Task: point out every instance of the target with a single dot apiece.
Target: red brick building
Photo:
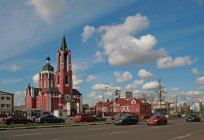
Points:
(55, 89)
(120, 105)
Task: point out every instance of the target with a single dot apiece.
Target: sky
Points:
(127, 45)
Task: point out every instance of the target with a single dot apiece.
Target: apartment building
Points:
(6, 103)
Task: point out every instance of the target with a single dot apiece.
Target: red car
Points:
(142, 117)
(157, 119)
(84, 117)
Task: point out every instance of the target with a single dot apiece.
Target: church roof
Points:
(64, 44)
(76, 92)
(52, 90)
(47, 66)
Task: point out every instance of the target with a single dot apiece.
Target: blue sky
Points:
(118, 44)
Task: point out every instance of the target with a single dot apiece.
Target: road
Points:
(175, 130)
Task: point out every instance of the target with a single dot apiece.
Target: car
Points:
(142, 117)
(16, 120)
(193, 118)
(126, 120)
(114, 117)
(157, 119)
(49, 119)
(99, 118)
(84, 117)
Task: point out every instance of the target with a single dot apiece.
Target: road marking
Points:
(28, 134)
(181, 137)
(95, 129)
(118, 132)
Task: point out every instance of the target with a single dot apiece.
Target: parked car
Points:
(49, 119)
(16, 120)
(114, 117)
(126, 119)
(99, 118)
(34, 118)
(84, 117)
(157, 119)
(193, 118)
(142, 117)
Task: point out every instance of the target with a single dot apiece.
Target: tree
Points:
(85, 107)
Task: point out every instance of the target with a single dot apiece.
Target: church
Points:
(55, 87)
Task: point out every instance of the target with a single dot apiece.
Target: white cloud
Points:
(77, 82)
(92, 94)
(195, 71)
(144, 73)
(36, 78)
(194, 92)
(20, 93)
(151, 85)
(90, 78)
(169, 62)
(122, 48)
(15, 68)
(175, 89)
(100, 87)
(122, 76)
(134, 85)
(200, 80)
(48, 10)
(87, 33)
(99, 57)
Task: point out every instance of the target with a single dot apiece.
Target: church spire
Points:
(64, 44)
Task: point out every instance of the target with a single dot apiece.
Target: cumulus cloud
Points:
(134, 85)
(200, 80)
(195, 71)
(99, 57)
(122, 76)
(15, 68)
(90, 78)
(175, 89)
(20, 93)
(92, 94)
(48, 10)
(123, 48)
(36, 79)
(169, 62)
(142, 73)
(77, 82)
(151, 85)
(100, 87)
(87, 32)
(194, 92)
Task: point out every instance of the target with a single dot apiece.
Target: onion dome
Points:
(47, 66)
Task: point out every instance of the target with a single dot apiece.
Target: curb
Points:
(53, 126)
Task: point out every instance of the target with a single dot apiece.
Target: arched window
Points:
(66, 79)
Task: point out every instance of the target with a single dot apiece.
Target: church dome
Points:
(47, 66)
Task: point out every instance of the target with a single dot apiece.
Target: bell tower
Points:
(64, 71)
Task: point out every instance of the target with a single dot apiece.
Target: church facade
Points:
(55, 88)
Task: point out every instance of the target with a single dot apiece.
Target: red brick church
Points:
(55, 88)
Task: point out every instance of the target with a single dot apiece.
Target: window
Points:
(8, 98)
(2, 98)
(66, 79)
(2, 105)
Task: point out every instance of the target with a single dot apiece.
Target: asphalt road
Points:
(175, 130)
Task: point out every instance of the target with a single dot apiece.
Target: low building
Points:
(126, 95)
(120, 106)
(6, 103)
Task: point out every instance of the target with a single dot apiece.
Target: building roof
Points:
(52, 90)
(47, 67)
(76, 92)
(64, 44)
(3, 92)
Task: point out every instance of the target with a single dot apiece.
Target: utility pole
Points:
(160, 96)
